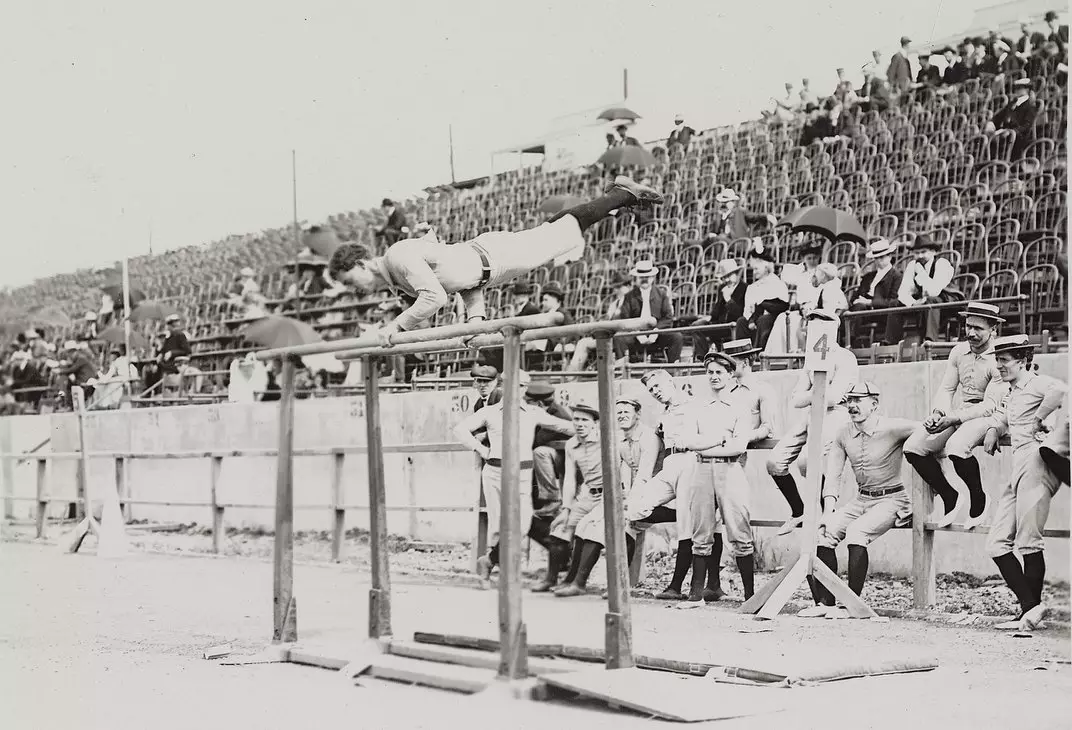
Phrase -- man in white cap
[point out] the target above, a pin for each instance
(727, 307)
(956, 430)
(430, 271)
(490, 418)
(878, 287)
(1023, 505)
(647, 300)
(843, 372)
(871, 444)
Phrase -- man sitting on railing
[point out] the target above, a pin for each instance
(971, 368)
(430, 270)
(871, 444)
(1023, 505)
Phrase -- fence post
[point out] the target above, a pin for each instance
(7, 467)
(480, 545)
(338, 531)
(122, 487)
(380, 593)
(923, 577)
(217, 508)
(285, 615)
(42, 497)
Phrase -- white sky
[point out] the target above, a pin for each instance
(132, 113)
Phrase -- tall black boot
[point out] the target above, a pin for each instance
(746, 564)
(681, 568)
(714, 591)
(589, 556)
(787, 485)
(931, 472)
(1013, 573)
(575, 561)
(819, 592)
(588, 214)
(699, 573)
(858, 562)
(1035, 575)
(968, 471)
(558, 554)
(630, 549)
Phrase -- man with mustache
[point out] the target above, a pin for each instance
(1023, 504)
(957, 431)
(872, 445)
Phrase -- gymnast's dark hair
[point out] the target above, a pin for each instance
(346, 257)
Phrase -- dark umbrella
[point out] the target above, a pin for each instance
(618, 112)
(559, 203)
(115, 291)
(790, 219)
(116, 336)
(322, 241)
(274, 331)
(836, 225)
(152, 310)
(627, 156)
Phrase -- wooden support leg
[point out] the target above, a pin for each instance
(42, 497)
(285, 627)
(217, 509)
(338, 528)
(380, 593)
(87, 524)
(844, 595)
(761, 596)
(924, 589)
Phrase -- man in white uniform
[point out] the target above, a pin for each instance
(842, 374)
(430, 271)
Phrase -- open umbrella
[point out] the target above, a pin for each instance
(152, 310)
(275, 331)
(49, 316)
(790, 219)
(627, 156)
(322, 241)
(115, 291)
(618, 112)
(116, 336)
(559, 203)
(836, 225)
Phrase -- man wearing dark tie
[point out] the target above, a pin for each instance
(878, 288)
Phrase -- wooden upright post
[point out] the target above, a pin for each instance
(513, 663)
(619, 623)
(87, 524)
(285, 619)
(380, 593)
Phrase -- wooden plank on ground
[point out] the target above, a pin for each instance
(671, 696)
(476, 658)
(431, 674)
(481, 643)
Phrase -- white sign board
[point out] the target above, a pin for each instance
(822, 337)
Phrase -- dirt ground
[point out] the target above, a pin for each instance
(116, 644)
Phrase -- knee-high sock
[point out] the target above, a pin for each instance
(1010, 570)
(1035, 574)
(493, 554)
(575, 560)
(931, 471)
(746, 564)
(818, 590)
(589, 557)
(558, 555)
(588, 214)
(968, 470)
(857, 568)
(699, 570)
(714, 566)
(788, 487)
(630, 549)
(681, 564)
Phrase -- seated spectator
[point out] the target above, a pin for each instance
(1019, 116)
(1004, 59)
(879, 287)
(176, 344)
(1047, 61)
(523, 306)
(76, 369)
(1024, 46)
(822, 123)
(874, 94)
(646, 299)
(537, 351)
(928, 75)
(309, 283)
(821, 289)
(191, 379)
(727, 308)
(391, 230)
(926, 281)
(88, 331)
(120, 376)
(248, 296)
(681, 134)
(248, 379)
(764, 299)
(956, 71)
(732, 220)
(26, 376)
(622, 285)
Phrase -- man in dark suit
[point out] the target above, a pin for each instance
(899, 72)
(682, 133)
(878, 288)
(391, 231)
(624, 139)
(1058, 33)
(539, 352)
(732, 220)
(726, 309)
(647, 300)
(1019, 116)
(955, 70)
(523, 304)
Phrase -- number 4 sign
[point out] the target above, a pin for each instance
(822, 337)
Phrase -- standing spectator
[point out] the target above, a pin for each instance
(766, 297)
(786, 108)
(548, 468)
(878, 288)
(647, 300)
(1058, 33)
(807, 96)
(624, 140)
(391, 230)
(727, 308)
(928, 74)
(926, 281)
(899, 72)
(874, 94)
(681, 134)
(176, 344)
(732, 220)
(1019, 116)
(1024, 46)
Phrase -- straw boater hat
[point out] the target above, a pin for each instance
(881, 247)
(727, 195)
(246, 273)
(740, 348)
(727, 266)
(983, 311)
(1013, 344)
(644, 268)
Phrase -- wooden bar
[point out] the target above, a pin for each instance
(619, 622)
(338, 529)
(513, 661)
(380, 593)
(217, 508)
(481, 327)
(924, 583)
(41, 508)
(285, 626)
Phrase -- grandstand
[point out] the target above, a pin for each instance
(925, 165)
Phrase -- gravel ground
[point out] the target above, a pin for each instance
(958, 593)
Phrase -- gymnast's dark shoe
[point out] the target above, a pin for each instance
(713, 595)
(643, 193)
(670, 595)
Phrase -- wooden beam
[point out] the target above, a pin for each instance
(285, 620)
(380, 593)
(216, 468)
(924, 582)
(338, 526)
